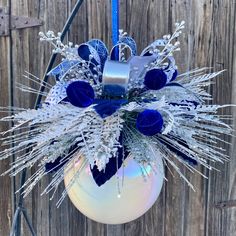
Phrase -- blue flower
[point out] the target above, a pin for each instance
(149, 122)
(155, 79)
(80, 94)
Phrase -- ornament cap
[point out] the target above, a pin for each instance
(115, 78)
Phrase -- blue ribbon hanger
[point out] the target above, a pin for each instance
(115, 26)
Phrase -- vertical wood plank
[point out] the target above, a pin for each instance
(222, 54)
(5, 182)
(231, 229)
(30, 55)
(194, 53)
(99, 20)
(20, 64)
(231, 226)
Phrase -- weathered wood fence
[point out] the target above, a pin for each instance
(209, 40)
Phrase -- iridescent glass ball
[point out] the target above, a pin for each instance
(104, 204)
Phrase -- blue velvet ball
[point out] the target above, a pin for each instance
(80, 94)
(155, 79)
(174, 75)
(149, 122)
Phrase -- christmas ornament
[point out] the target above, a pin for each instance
(138, 191)
(121, 115)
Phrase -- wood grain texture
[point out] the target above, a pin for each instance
(209, 40)
(6, 206)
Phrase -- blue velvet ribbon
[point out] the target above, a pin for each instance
(115, 26)
(106, 107)
(181, 154)
(101, 177)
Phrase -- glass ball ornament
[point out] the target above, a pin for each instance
(105, 204)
